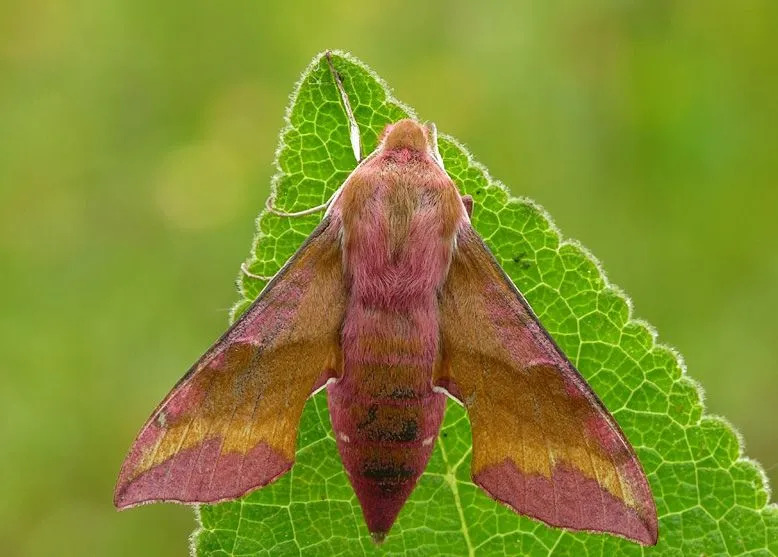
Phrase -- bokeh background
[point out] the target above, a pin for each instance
(136, 146)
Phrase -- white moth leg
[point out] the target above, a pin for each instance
(248, 273)
(310, 211)
(356, 141)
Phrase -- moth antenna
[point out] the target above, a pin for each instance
(356, 142)
(433, 129)
(354, 135)
(310, 211)
(248, 273)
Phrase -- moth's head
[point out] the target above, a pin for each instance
(410, 134)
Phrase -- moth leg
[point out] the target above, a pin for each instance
(309, 211)
(244, 268)
(467, 200)
(356, 141)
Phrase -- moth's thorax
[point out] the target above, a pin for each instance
(400, 212)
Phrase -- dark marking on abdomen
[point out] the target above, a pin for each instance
(387, 475)
(386, 422)
(403, 393)
(386, 470)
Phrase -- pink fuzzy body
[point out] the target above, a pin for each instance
(400, 212)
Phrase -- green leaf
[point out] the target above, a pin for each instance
(711, 500)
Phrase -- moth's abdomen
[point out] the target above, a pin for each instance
(384, 412)
(385, 446)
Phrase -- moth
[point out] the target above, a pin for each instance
(393, 304)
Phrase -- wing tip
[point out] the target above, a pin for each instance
(118, 500)
(651, 534)
(123, 502)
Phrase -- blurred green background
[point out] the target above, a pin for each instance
(136, 146)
